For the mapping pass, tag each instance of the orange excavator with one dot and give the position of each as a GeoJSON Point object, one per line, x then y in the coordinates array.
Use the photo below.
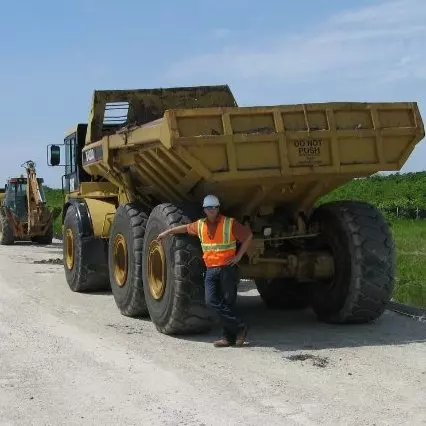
{"type": "Point", "coordinates": [24, 214]}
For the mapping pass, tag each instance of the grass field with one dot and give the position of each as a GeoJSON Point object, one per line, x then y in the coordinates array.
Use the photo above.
{"type": "Point", "coordinates": [55, 199]}
{"type": "Point", "coordinates": [410, 239]}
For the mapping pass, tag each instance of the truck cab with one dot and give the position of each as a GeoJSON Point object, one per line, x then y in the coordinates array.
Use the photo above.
{"type": "Point", "coordinates": [73, 144]}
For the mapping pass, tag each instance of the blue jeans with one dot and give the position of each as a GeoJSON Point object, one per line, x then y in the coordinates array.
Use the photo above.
{"type": "Point", "coordinates": [221, 285]}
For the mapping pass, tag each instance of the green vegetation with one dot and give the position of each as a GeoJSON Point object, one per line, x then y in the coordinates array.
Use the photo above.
{"type": "Point", "coordinates": [404, 191]}
{"type": "Point", "coordinates": [410, 238]}
{"type": "Point", "coordinates": [55, 199]}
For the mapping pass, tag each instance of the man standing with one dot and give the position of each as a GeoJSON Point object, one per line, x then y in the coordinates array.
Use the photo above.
{"type": "Point", "coordinates": [219, 235]}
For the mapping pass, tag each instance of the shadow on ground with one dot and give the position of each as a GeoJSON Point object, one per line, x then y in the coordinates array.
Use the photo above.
{"type": "Point", "coordinates": [300, 330]}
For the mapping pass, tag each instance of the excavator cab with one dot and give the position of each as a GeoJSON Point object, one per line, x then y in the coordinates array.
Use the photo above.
{"type": "Point", "coordinates": [15, 198]}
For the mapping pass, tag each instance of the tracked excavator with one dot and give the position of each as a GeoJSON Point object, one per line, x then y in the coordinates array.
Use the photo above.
{"type": "Point", "coordinates": [24, 214]}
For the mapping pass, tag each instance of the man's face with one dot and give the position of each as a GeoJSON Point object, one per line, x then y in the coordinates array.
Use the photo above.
{"type": "Point", "coordinates": [211, 212]}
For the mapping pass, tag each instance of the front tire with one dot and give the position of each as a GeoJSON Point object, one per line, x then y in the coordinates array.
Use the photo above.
{"type": "Point", "coordinates": [173, 275]}
{"type": "Point", "coordinates": [84, 257]}
{"type": "Point", "coordinates": [364, 258]}
{"type": "Point", "coordinates": [6, 231]}
{"type": "Point", "coordinates": [125, 260]}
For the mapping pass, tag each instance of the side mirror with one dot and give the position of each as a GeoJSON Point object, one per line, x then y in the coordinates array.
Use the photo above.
{"type": "Point", "coordinates": [55, 155]}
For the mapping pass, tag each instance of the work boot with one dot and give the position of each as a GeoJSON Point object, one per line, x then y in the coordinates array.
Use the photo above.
{"type": "Point", "coordinates": [241, 336]}
{"type": "Point", "coordinates": [222, 343]}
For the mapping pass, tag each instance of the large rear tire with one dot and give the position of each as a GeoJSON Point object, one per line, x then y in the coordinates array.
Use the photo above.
{"type": "Point", "coordinates": [173, 275]}
{"type": "Point", "coordinates": [85, 260]}
{"type": "Point", "coordinates": [125, 260]}
{"type": "Point", "coordinates": [364, 257]}
{"type": "Point", "coordinates": [6, 231]}
{"type": "Point", "coordinates": [283, 294]}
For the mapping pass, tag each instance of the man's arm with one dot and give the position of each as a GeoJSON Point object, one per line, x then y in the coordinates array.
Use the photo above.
{"type": "Point", "coordinates": [244, 246]}
{"type": "Point", "coordinates": [244, 235]}
{"type": "Point", "coordinates": [181, 229]}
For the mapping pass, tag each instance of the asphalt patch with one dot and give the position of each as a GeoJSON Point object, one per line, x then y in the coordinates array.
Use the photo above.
{"type": "Point", "coordinates": [317, 361]}
{"type": "Point", "coordinates": [56, 261]}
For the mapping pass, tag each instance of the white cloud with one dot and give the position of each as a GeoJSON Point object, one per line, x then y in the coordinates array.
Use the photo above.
{"type": "Point", "coordinates": [384, 13]}
{"type": "Point", "coordinates": [374, 53]}
{"type": "Point", "coordinates": [381, 42]}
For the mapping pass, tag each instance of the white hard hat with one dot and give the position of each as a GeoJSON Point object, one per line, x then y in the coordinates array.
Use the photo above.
{"type": "Point", "coordinates": [211, 201]}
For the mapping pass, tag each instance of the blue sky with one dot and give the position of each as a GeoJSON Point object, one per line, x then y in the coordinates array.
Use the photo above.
{"type": "Point", "coordinates": [54, 54]}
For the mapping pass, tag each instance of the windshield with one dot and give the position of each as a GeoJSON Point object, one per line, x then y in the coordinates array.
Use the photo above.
{"type": "Point", "coordinates": [21, 189]}
{"type": "Point", "coordinates": [16, 199]}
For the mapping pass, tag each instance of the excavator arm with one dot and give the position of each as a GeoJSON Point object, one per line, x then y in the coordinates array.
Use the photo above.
{"type": "Point", "coordinates": [38, 214]}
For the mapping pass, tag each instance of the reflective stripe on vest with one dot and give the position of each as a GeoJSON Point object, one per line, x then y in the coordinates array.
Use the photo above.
{"type": "Point", "coordinates": [223, 246]}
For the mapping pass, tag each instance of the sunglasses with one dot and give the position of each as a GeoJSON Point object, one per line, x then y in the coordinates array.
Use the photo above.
{"type": "Point", "coordinates": [211, 207]}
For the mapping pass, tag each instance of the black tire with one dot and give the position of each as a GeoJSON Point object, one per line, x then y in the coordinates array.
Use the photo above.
{"type": "Point", "coordinates": [89, 269]}
{"type": "Point", "coordinates": [130, 222]}
{"type": "Point", "coordinates": [283, 294]}
{"type": "Point", "coordinates": [364, 257]}
{"type": "Point", "coordinates": [7, 236]}
{"type": "Point", "coordinates": [44, 239]}
{"type": "Point", "coordinates": [181, 309]}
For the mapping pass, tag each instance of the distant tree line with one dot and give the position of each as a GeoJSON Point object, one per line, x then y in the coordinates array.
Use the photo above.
{"type": "Point", "coordinates": [397, 195]}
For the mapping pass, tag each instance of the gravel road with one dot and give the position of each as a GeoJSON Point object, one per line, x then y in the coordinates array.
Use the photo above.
{"type": "Point", "coordinates": [68, 358]}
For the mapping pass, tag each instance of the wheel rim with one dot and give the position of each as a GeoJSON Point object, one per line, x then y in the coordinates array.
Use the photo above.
{"type": "Point", "coordinates": [156, 270]}
{"type": "Point", "coordinates": [69, 245]}
{"type": "Point", "coordinates": [120, 260]}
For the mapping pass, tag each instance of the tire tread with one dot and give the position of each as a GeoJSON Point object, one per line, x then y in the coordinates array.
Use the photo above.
{"type": "Point", "coordinates": [188, 315]}
{"type": "Point", "coordinates": [373, 265]}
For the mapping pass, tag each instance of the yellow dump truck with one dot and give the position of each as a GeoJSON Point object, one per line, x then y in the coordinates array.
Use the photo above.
{"type": "Point", "coordinates": [146, 158]}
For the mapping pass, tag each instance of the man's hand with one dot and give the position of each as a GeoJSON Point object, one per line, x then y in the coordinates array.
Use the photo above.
{"type": "Point", "coordinates": [234, 260]}
{"type": "Point", "coordinates": [162, 235]}
{"type": "Point", "coordinates": [181, 229]}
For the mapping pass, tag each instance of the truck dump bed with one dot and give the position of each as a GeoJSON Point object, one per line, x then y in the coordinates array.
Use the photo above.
{"type": "Point", "coordinates": [263, 156]}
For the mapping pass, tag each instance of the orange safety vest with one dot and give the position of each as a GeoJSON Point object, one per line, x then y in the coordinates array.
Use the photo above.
{"type": "Point", "coordinates": [222, 247]}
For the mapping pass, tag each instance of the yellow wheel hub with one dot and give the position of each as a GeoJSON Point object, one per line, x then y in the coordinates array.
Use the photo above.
{"type": "Point", "coordinates": [69, 249]}
{"type": "Point", "coordinates": [156, 270]}
{"type": "Point", "coordinates": [120, 260]}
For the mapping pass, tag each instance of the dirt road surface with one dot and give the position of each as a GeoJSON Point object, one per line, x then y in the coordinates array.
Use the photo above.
{"type": "Point", "coordinates": [68, 358]}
